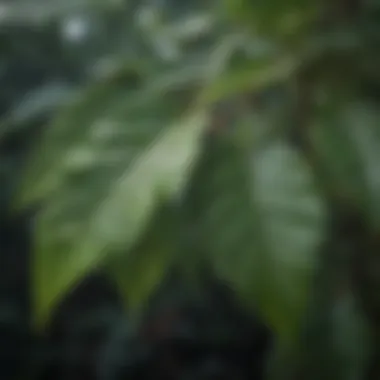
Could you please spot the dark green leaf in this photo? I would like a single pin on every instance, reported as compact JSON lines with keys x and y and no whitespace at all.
{"x":347,"y":142}
{"x":139,"y":272}
{"x":261,"y":219}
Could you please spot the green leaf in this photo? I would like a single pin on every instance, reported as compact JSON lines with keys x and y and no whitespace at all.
{"x":62,"y":150}
{"x":140,"y":272}
{"x":261,"y":219}
{"x":107,"y":186}
{"x":254,"y":76}
{"x":272,"y":17}
{"x":347,"y":142}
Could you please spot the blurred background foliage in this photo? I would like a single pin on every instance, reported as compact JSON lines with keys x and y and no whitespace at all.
{"x":159,"y":147}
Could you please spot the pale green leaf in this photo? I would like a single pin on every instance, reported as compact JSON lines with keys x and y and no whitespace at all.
{"x":111,"y":182}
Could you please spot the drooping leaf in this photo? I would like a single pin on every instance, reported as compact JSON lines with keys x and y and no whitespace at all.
{"x":347,"y":142}
{"x":111,"y":180}
{"x":261,"y":219}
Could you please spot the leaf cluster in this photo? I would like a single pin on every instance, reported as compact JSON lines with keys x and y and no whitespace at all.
{"x":242,"y":135}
